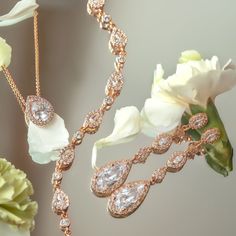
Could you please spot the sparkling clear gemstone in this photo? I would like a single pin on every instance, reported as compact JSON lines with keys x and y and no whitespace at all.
{"x":118,"y":38}
{"x":115,"y":83}
{"x":96,"y":3}
{"x":60,"y":201}
{"x":106,"y":18}
{"x":109,"y":176}
{"x":128,"y":196}
{"x":159,"y":175}
{"x":198,"y":121}
{"x":64,"y":223}
{"x":211,"y":135}
{"x":108,"y":100}
{"x":67,"y":157}
{"x":162,"y":143}
{"x":121,"y":59}
{"x":178,"y":159}
{"x":39,"y":110}
{"x":56,"y":176}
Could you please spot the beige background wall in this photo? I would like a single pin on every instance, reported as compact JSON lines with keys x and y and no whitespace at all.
{"x":75,"y":64}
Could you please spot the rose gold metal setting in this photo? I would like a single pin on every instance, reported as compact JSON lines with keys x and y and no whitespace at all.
{"x":198,"y":121}
{"x":118,"y":41}
{"x":211,"y":136}
{"x":142,"y":155}
{"x":66,"y":158}
{"x":126,"y":200}
{"x":142,"y":187}
{"x":60,"y":202}
{"x":176,"y":162}
{"x":93,"y":120}
{"x":41,"y":105}
{"x":162,"y":143}
{"x":117,"y":171}
{"x":158,"y":175}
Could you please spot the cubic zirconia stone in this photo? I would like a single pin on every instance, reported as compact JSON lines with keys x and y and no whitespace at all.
{"x":128,"y":196}
{"x":109,"y":176}
{"x":56,"y":176}
{"x":177,"y":161}
{"x":60,"y":201}
{"x":198,"y":121}
{"x":93,"y":121}
{"x":39,"y":110}
{"x":64,"y":223}
{"x":96,"y":3}
{"x":162,"y":143}
{"x":211,"y":135}
{"x":125,"y":200}
{"x":67,"y":157}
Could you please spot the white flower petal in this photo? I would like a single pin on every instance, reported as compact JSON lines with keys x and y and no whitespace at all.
{"x":158,"y":77}
{"x":226,"y":81}
{"x":126,"y":127}
{"x":160,"y":115}
{"x":23,"y":9}
{"x":5,"y":53}
{"x":44,"y":143}
{"x":7,"y":230}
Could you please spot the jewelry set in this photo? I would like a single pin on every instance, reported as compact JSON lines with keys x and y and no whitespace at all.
{"x":109,"y":180}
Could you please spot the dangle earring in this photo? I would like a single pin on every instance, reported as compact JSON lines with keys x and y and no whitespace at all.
{"x":113,"y":175}
{"x":128,"y":198}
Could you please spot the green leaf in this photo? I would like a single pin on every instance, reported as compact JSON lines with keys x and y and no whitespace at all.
{"x":219,"y":155}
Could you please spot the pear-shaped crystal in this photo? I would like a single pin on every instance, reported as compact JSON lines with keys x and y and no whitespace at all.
{"x":60,"y":202}
{"x":127,"y":199}
{"x":39,"y":110}
{"x":110,"y":177}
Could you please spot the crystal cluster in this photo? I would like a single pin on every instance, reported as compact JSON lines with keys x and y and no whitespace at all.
{"x":162,"y":143}
{"x":176,"y":162}
{"x":158,"y":175}
{"x":114,"y":84}
{"x":118,"y":41}
{"x":93,"y":121}
{"x":198,"y":121}
{"x":210,"y":136}
{"x":67,"y":157}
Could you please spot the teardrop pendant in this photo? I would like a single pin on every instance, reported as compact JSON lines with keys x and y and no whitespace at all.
{"x":127,"y":199}
{"x":110,"y":177}
{"x":38,"y":110}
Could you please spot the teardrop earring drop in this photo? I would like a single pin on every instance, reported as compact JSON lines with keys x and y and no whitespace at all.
{"x":128,"y":198}
{"x":113,"y":175}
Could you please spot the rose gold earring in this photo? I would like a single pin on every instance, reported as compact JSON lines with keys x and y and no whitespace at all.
{"x":113,"y":175}
{"x":128,"y":198}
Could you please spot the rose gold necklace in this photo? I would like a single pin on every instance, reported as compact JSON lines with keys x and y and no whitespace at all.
{"x":93,"y":120}
{"x":36,"y":109}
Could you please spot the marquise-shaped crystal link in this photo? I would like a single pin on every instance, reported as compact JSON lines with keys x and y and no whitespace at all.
{"x":60,"y":202}
{"x":38,"y":110}
{"x":94,"y":7}
{"x":93,"y":121}
{"x":198,"y":121}
{"x":114,"y":84}
{"x":118,"y":41}
{"x":176,"y":162}
{"x":162,"y":143}
{"x":66,"y":158}
{"x":210,"y":136}
{"x":110,"y":177}
{"x":127,"y":199}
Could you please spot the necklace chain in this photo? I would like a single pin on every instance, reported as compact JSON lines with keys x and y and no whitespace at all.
{"x":10,"y":79}
{"x":93,"y":120}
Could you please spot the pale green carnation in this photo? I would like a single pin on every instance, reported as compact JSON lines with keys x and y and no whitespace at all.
{"x":16,"y":207}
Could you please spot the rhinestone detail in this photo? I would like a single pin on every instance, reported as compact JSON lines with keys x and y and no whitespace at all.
{"x":110,"y":177}
{"x":60,"y":202}
{"x":38,"y":110}
{"x":127,"y":199}
{"x":176,"y":162}
{"x":198,"y":121}
{"x":162,"y":143}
